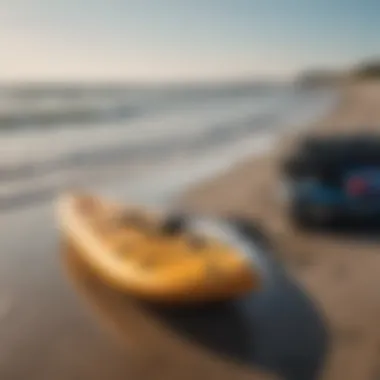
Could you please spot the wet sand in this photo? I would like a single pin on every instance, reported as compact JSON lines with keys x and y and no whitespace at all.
{"x":58,"y":321}
{"x":340,"y":273}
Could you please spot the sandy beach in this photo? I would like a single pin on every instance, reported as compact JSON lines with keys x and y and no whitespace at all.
{"x":318,"y":319}
{"x":340,"y":274}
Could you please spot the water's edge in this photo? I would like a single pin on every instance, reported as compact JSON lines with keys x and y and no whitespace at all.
{"x":161,"y":162}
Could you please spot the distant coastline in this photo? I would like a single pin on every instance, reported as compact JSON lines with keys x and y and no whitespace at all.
{"x":369,"y":70}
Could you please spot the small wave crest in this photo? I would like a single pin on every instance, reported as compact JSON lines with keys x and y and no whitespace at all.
{"x":43,"y":105}
{"x":40,"y":161}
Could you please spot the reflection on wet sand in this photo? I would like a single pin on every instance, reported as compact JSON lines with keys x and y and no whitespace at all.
{"x":163,"y":353}
{"x":277,"y":331}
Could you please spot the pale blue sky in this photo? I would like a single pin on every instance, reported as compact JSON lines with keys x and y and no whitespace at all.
{"x":182,"y":39}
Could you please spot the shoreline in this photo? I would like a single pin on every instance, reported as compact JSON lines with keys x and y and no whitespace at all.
{"x":340,"y":275}
{"x":270,"y":149}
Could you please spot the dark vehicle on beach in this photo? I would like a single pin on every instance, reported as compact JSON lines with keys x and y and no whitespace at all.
{"x":333,"y":180}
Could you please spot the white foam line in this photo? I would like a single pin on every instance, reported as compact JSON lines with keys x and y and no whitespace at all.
{"x":41,"y":145}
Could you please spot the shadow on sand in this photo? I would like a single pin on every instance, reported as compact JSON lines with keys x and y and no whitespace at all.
{"x":277,"y":329}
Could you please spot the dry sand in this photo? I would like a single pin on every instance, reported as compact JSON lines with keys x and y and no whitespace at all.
{"x":340,"y":274}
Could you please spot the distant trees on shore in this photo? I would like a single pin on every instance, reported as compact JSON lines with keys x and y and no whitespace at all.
{"x":367,"y":70}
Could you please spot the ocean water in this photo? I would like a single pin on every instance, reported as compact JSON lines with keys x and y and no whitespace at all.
{"x":157,"y":140}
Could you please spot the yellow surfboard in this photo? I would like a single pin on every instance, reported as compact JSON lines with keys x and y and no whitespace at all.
{"x":154,"y":256}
